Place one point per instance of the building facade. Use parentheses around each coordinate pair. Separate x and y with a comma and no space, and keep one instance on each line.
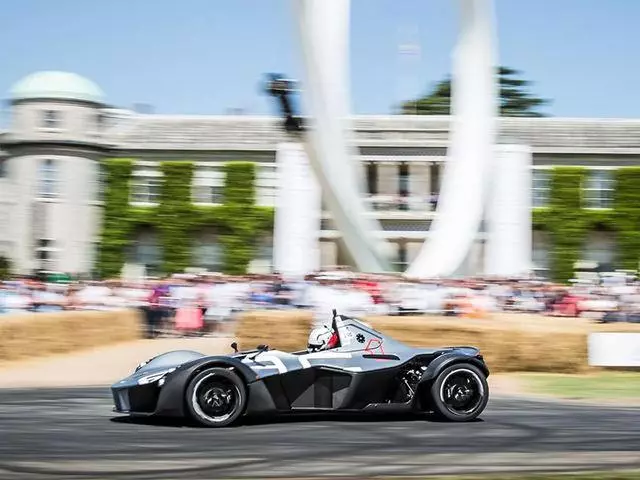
(62,130)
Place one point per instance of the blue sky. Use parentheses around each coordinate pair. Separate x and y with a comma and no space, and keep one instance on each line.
(206,56)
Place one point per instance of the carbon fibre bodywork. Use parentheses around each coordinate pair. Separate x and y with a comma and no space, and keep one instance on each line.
(367,371)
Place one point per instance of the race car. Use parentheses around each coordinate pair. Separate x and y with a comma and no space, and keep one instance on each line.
(359,370)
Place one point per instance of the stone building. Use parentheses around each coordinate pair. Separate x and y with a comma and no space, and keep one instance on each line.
(61,127)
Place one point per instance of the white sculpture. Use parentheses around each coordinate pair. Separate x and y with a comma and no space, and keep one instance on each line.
(471,146)
(323,28)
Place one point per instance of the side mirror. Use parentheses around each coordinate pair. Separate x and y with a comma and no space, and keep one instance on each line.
(335,313)
(263,347)
(234,345)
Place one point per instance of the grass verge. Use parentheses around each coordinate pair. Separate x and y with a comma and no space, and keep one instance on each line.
(595,386)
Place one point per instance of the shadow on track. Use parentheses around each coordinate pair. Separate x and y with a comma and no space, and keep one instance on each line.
(306,417)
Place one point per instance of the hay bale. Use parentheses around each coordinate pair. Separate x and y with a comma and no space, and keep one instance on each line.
(39,334)
(509,342)
(287,331)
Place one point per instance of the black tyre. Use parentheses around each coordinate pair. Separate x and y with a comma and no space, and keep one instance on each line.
(216,397)
(459,393)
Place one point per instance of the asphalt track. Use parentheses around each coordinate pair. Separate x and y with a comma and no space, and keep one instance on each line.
(73,433)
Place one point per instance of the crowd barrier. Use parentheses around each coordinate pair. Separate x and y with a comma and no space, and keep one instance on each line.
(32,335)
(509,342)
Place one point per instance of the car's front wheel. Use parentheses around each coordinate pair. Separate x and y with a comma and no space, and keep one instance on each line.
(216,397)
(460,393)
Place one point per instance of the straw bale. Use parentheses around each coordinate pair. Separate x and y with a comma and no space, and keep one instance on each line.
(33,335)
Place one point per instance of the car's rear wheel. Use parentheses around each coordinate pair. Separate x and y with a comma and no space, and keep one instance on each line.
(460,393)
(216,397)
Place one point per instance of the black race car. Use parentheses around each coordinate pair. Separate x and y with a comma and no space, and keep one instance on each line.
(366,372)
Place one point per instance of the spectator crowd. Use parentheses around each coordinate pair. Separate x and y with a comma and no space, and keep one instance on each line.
(202,303)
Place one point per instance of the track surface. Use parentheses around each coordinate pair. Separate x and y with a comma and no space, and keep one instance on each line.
(72,433)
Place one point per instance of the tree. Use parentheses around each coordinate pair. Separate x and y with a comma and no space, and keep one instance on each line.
(515,99)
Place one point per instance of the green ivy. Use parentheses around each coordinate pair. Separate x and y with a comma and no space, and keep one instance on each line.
(239,221)
(627,216)
(116,218)
(5,267)
(568,221)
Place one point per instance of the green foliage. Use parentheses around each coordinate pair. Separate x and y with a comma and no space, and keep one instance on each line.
(627,216)
(238,220)
(515,99)
(5,267)
(568,222)
(116,225)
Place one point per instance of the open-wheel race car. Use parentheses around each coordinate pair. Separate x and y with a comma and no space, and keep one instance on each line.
(360,370)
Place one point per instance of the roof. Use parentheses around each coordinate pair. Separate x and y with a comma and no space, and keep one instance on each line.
(56,85)
(544,135)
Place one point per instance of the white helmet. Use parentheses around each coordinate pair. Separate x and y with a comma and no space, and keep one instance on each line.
(319,338)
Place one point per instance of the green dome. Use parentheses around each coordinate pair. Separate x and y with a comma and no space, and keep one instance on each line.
(56,85)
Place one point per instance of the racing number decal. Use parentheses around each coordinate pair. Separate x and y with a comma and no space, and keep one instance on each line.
(374,346)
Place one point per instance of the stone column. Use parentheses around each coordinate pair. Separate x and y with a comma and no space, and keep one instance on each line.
(297,213)
(328,254)
(419,185)
(436,170)
(387,178)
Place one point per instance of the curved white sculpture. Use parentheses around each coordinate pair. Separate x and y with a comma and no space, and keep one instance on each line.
(324,36)
(474,110)
(323,33)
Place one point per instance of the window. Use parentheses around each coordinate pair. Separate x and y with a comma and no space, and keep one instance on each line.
(403,179)
(208,186)
(541,188)
(267,185)
(372,178)
(600,247)
(207,251)
(262,263)
(146,189)
(598,192)
(403,186)
(436,178)
(46,254)
(3,167)
(51,119)
(145,250)
(100,121)
(210,194)
(540,245)
(401,261)
(48,179)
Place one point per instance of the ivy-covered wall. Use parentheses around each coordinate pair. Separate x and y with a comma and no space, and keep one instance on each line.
(568,221)
(238,220)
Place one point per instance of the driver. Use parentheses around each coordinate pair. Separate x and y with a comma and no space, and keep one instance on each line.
(322,338)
